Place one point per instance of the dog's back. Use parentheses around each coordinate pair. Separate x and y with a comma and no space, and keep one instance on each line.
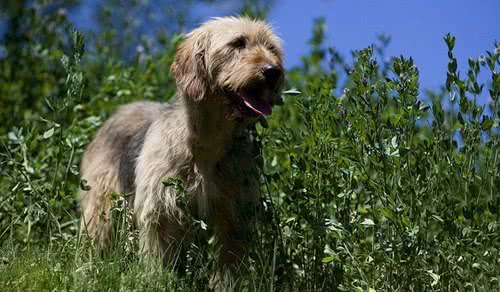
(108,164)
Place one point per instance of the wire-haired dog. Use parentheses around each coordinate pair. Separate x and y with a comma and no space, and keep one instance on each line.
(228,73)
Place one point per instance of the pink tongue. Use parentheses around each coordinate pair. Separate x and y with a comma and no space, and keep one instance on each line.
(257,105)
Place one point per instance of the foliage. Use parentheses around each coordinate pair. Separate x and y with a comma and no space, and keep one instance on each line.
(367,184)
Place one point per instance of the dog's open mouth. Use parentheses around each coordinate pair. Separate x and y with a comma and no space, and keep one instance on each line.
(250,103)
(256,104)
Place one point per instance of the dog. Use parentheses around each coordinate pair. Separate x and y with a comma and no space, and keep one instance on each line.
(228,74)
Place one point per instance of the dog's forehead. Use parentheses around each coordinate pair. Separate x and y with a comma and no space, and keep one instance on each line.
(231,27)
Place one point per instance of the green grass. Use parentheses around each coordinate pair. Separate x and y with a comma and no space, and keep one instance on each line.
(64,268)
(368,180)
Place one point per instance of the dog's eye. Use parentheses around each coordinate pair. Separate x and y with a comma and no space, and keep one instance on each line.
(239,43)
(273,49)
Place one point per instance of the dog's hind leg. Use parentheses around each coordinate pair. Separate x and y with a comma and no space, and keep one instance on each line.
(96,206)
(108,166)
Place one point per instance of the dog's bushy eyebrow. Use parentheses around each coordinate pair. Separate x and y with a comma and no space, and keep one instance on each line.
(238,38)
(267,37)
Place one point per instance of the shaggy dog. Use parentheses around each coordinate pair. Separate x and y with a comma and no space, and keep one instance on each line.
(228,73)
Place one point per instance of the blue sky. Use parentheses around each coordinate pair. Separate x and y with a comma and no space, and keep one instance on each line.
(416,27)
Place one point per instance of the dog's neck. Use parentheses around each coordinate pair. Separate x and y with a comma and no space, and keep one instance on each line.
(210,132)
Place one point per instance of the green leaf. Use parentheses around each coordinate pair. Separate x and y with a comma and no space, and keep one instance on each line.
(450,41)
(486,123)
(292,92)
(367,222)
(435,277)
(65,62)
(328,259)
(123,92)
(464,104)
(438,218)
(48,133)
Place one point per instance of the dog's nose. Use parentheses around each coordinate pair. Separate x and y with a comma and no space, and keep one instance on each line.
(272,73)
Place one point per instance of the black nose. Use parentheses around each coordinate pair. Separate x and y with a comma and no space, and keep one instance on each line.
(272,73)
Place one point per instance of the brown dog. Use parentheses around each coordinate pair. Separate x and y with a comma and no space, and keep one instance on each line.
(228,73)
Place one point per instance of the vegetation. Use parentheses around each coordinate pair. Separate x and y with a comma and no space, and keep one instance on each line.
(367,185)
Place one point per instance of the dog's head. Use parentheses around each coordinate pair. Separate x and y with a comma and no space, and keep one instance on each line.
(237,59)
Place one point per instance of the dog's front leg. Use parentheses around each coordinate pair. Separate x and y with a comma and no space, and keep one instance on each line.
(160,220)
(162,238)
(231,246)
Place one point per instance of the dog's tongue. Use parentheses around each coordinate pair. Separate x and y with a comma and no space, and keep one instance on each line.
(259,106)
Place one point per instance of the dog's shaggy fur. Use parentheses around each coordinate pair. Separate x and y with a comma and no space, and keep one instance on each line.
(228,73)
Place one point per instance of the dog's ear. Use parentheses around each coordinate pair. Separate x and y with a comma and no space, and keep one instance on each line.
(189,68)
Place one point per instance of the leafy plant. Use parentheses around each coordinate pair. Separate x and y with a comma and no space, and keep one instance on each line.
(367,183)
